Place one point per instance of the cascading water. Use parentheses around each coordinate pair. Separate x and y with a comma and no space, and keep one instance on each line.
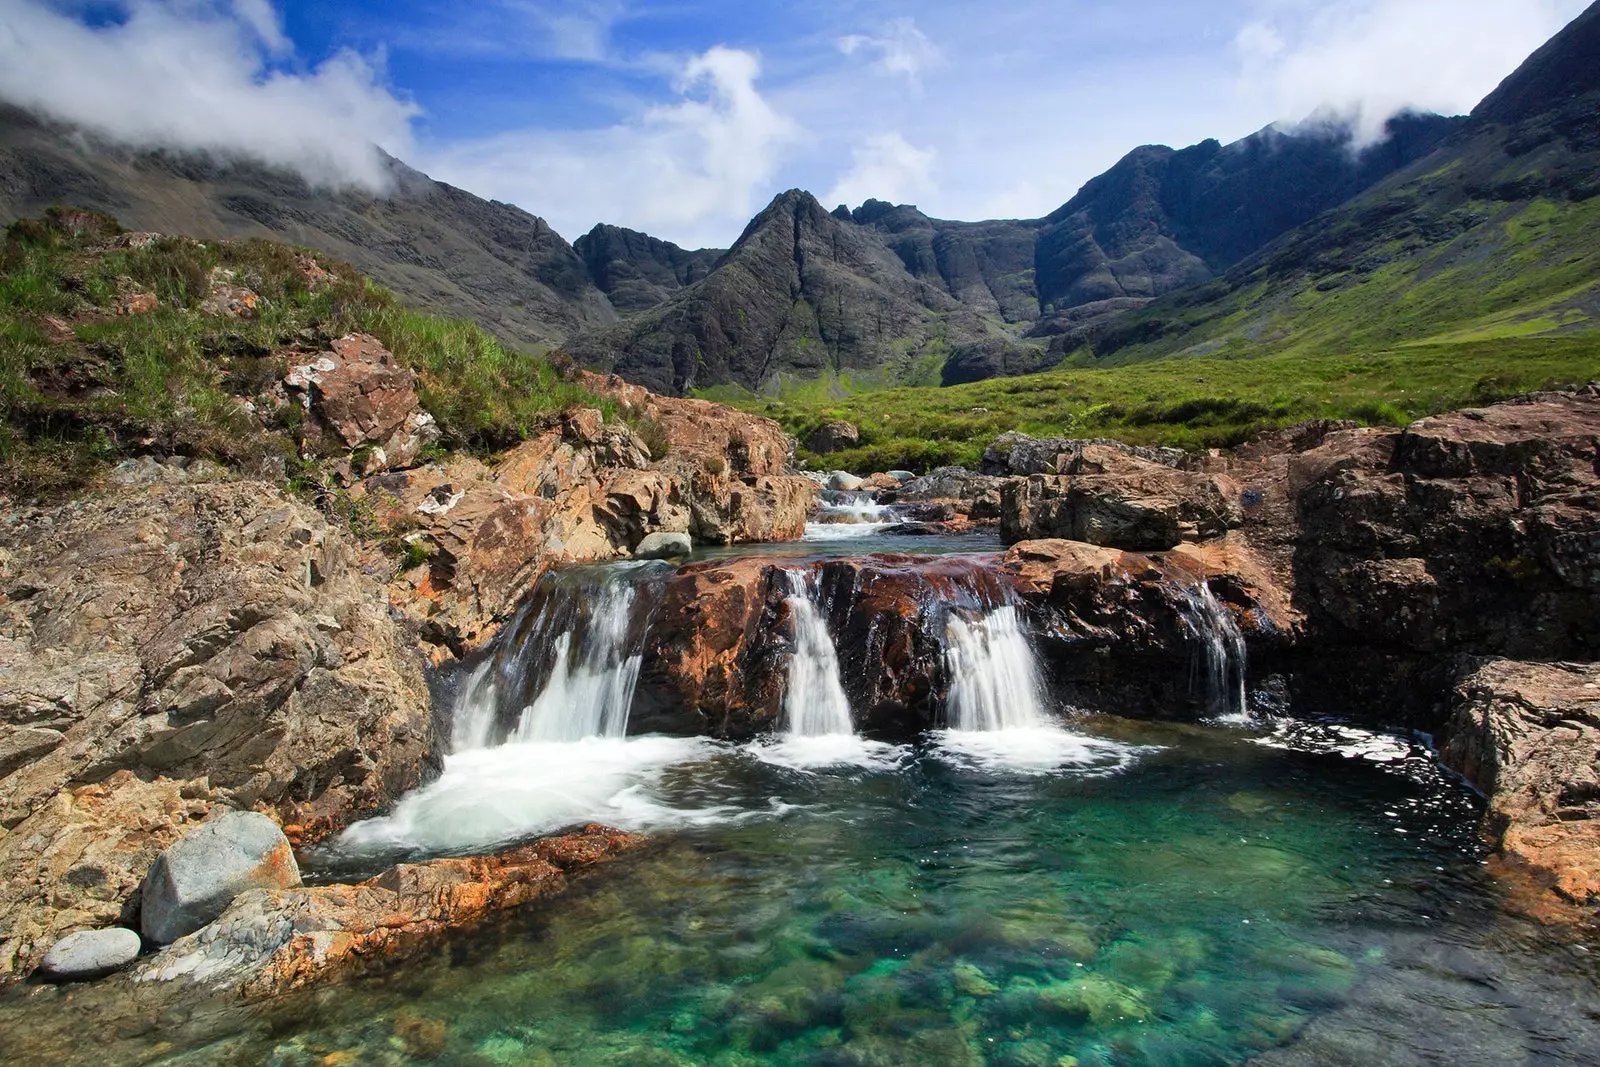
(995,710)
(540,728)
(994,677)
(591,688)
(1218,671)
(814,703)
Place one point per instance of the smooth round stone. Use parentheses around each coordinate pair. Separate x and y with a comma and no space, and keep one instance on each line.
(664,546)
(90,954)
(902,476)
(844,481)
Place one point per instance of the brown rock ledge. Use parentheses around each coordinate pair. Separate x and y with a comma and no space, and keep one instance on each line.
(272,942)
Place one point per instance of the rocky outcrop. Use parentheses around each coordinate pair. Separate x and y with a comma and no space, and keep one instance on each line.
(77,862)
(585,490)
(366,400)
(221,639)
(270,942)
(1119,501)
(1475,532)
(1528,735)
(1017,454)
(1132,630)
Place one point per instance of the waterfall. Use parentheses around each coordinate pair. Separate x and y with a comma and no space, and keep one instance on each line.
(591,687)
(814,704)
(565,668)
(994,676)
(1218,671)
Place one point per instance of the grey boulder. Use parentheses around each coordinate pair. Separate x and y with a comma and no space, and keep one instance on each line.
(195,879)
(664,546)
(844,481)
(89,954)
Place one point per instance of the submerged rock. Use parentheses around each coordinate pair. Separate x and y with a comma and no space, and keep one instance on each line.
(195,880)
(90,954)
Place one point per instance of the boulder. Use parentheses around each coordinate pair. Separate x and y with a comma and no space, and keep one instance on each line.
(901,476)
(844,481)
(949,483)
(694,431)
(196,878)
(1144,507)
(363,396)
(90,954)
(1475,532)
(664,546)
(834,436)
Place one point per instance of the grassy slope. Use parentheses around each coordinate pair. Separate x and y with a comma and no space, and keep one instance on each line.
(1196,402)
(170,381)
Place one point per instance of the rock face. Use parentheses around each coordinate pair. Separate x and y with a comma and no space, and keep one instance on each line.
(1528,735)
(584,490)
(269,942)
(1018,454)
(196,878)
(90,954)
(221,637)
(1130,630)
(1472,532)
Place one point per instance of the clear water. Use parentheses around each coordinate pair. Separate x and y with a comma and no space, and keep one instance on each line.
(1151,895)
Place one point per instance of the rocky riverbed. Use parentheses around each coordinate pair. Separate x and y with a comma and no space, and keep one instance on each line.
(197,644)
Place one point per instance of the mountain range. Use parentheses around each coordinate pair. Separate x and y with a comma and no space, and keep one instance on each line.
(1446,227)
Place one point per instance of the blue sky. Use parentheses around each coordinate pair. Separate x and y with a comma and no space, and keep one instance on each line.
(684,117)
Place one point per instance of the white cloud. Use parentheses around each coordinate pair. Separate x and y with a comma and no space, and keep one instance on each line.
(1371,58)
(196,76)
(574,29)
(902,50)
(886,167)
(689,171)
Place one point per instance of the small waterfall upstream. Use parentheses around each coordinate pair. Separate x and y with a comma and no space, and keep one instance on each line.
(814,703)
(1218,670)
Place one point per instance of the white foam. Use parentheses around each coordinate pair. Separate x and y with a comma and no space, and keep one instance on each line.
(843,531)
(830,751)
(489,797)
(1351,742)
(1045,749)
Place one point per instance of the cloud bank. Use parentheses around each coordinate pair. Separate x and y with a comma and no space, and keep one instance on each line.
(201,76)
(1368,59)
(688,171)
(885,167)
